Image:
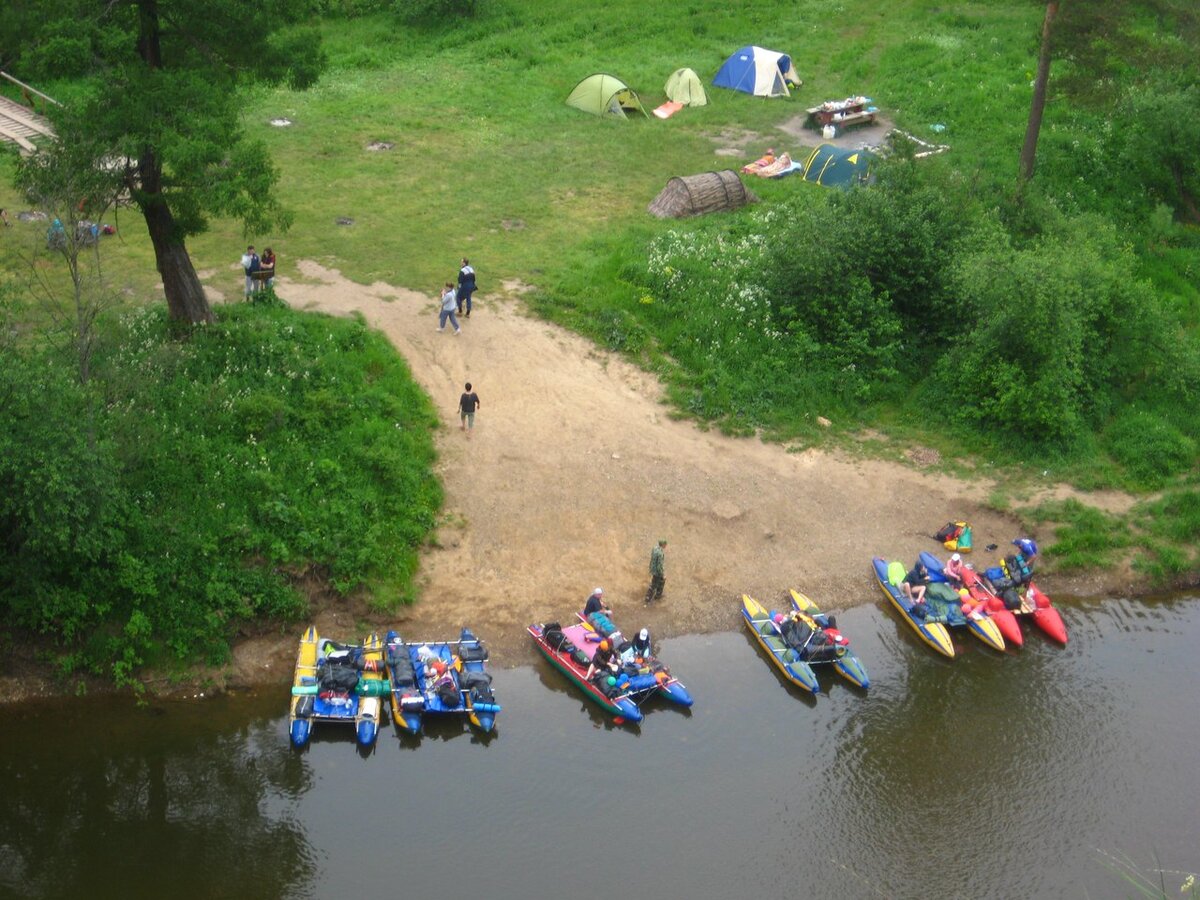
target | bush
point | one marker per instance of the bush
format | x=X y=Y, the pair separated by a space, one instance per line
x=1060 y=326
x=1151 y=449
x=218 y=470
x=62 y=501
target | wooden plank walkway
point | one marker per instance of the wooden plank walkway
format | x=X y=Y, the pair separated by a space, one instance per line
x=21 y=125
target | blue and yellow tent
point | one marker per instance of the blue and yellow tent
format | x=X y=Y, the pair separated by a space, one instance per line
x=834 y=167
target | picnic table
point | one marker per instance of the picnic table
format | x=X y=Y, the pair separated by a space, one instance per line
x=842 y=113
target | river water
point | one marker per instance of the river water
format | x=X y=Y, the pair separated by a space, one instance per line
x=1020 y=775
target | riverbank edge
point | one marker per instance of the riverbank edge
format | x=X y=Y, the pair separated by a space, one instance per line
x=263 y=654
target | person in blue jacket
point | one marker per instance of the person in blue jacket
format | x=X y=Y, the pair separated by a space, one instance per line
x=466 y=287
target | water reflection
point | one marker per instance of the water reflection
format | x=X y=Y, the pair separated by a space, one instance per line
x=103 y=800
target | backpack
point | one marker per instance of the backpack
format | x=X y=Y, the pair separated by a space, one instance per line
x=1017 y=568
x=965 y=540
x=475 y=653
x=952 y=536
x=448 y=693
x=553 y=636
x=947 y=532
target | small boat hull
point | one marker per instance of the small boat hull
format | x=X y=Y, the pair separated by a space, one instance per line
x=621 y=707
x=675 y=692
x=480 y=703
x=934 y=634
x=304 y=687
x=374 y=682
x=848 y=665
x=982 y=626
x=407 y=701
x=794 y=669
x=1045 y=616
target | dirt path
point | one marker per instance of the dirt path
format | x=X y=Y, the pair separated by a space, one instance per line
x=576 y=468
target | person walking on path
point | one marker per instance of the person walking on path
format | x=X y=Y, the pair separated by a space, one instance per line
x=657 y=571
x=449 y=302
x=468 y=404
x=466 y=287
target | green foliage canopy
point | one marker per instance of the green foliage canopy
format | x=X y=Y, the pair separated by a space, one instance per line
x=158 y=99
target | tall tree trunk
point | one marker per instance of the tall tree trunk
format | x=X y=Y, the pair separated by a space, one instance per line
x=1029 y=150
x=185 y=295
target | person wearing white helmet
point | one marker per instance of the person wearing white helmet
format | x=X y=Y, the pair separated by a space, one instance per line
x=596 y=603
x=640 y=645
x=953 y=570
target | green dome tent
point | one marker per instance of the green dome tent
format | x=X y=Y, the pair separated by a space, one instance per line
x=684 y=87
x=834 y=167
x=605 y=95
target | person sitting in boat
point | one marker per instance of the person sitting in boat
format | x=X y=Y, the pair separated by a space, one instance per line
x=953 y=570
x=604 y=662
x=913 y=585
x=595 y=603
x=641 y=645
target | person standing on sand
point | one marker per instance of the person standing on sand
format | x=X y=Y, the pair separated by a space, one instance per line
x=468 y=404
x=466 y=287
x=657 y=571
x=449 y=302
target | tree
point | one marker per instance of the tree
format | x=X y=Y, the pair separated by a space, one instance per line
x=75 y=190
x=161 y=95
x=1038 y=104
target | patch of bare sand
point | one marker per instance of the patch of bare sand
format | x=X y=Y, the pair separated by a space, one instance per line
x=576 y=467
x=851 y=138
